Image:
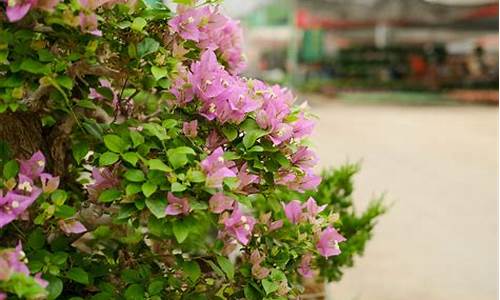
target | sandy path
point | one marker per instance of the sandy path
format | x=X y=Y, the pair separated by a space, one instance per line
x=439 y=167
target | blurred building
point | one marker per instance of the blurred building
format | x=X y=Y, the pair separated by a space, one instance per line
x=393 y=44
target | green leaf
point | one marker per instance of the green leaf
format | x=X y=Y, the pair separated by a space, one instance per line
x=138 y=24
x=108 y=158
x=131 y=157
x=156 y=286
x=178 y=187
x=35 y=67
x=192 y=270
x=137 y=138
x=65 y=81
x=157 y=207
x=134 y=175
x=36 y=240
x=178 y=156
x=159 y=73
x=86 y=104
x=134 y=292
x=226 y=266
x=54 y=288
x=147 y=46
x=149 y=188
x=109 y=195
x=10 y=169
x=195 y=176
x=114 y=143
x=79 y=150
x=251 y=293
x=132 y=189
x=269 y=286
x=251 y=136
x=156 y=164
x=78 y=275
x=181 y=231
x=169 y=123
x=64 y=212
x=230 y=132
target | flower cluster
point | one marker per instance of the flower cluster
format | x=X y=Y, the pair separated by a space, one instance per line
x=13 y=263
x=30 y=185
x=172 y=164
x=210 y=29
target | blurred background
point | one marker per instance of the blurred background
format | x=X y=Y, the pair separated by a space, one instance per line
x=409 y=88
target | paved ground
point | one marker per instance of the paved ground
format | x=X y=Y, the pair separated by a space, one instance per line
x=438 y=166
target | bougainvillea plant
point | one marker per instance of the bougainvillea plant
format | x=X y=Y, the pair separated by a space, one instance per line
x=138 y=164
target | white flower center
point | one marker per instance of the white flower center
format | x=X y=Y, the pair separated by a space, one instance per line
x=15 y=204
x=25 y=186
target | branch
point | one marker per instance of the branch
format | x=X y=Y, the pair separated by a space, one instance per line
x=34 y=101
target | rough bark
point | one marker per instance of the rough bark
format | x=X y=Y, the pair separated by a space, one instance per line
x=22 y=131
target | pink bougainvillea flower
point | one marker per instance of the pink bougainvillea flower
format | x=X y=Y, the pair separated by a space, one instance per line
x=71 y=226
x=94 y=94
x=190 y=129
x=239 y=226
x=328 y=242
x=312 y=208
x=15 y=203
x=88 y=23
x=207 y=76
x=293 y=211
x=246 y=179
x=309 y=181
x=302 y=127
x=275 y=225
x=258 y=271
x=41 y=282
x=215 y=140
x=17 y=9
x=49 y=182
x=104 y=178
x=32 y=167
x=216 y=168
x=188 y=21
x=177 y=206
x=304 y=158
x=181 y=88
x=219 y=202
x=14 y=261
x=304 y=268
x=3 y=296
x=282 y=133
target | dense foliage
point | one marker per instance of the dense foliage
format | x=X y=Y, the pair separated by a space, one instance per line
x=160 y=171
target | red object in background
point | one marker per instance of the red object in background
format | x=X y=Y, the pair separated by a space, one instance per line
x=417 y=65
x=487 y=11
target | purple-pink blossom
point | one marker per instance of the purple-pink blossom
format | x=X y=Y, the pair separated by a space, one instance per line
x=312 y=208
x=216 y=168
x=14 y=261
x=246 y=179
x=49 y=183
x=177 y=206
x=239 y=226
x=16 y=10
x=104 y=178
x=71 y=226
x=219 y=202
x=15 y=203
x=32 y=167
x=190 y=129
x=304 y=268
x=211 y=30
x=293 y=211
x=328 y=243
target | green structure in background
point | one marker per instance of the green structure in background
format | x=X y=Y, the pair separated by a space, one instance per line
x=312 y=46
